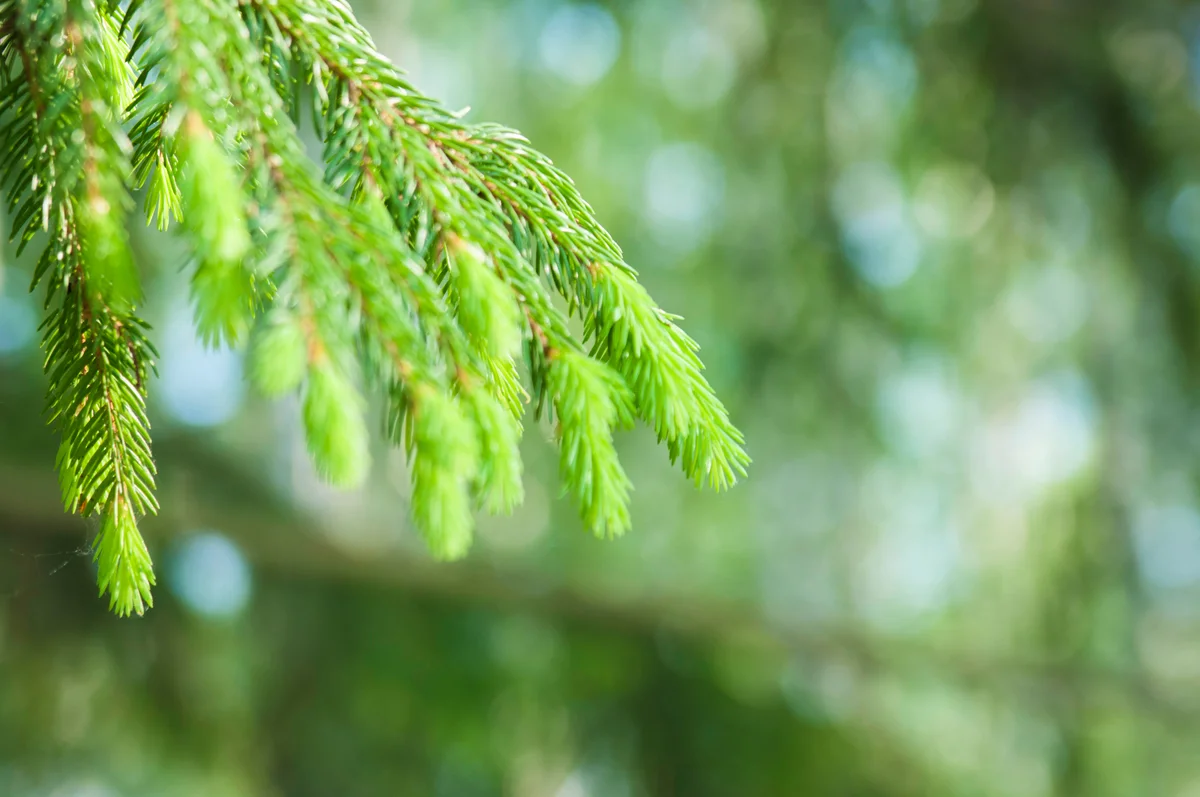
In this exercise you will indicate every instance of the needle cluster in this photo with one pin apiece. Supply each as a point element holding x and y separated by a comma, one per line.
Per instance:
<point>419,259</point>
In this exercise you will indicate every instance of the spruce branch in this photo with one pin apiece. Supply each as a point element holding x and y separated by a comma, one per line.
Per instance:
<point>420,260</point>
<point>63,137</point>
<point>497,181</point>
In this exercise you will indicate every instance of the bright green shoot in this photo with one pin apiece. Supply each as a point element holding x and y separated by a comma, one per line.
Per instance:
<point>419,259</point>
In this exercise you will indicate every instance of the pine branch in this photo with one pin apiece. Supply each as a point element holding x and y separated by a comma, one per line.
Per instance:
<point>373,118</point>
<point>496,182</point>
<point>62,131</point>
<point>421,262</point>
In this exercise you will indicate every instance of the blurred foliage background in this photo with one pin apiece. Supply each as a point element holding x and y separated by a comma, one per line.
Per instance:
<point>943,258</point>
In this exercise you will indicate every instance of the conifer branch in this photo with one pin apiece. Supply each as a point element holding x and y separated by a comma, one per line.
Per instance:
<point>500,183</point>
<point>420,261</point>
<point>62,130</point>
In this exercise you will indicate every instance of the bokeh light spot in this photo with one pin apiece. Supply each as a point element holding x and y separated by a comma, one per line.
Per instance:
<point>953,201</point>
<point>698,67</point>
<point>210,575</point>
<point>18,324</point>
<point>440,72</point>
<point>920,408</point>
<point>685,185</point>
<point>1153,61</point>
<point>580,43</point>
<point>907,572</point>
<point>1167,544</point>
<point>573,786</point>
<point>1047,438</point>
<point>879,238</point>
<point>198,386</point>
<point>83,789</point>
<point>1049,306</point>
<point>1183,220</point>
<point>871,88</point>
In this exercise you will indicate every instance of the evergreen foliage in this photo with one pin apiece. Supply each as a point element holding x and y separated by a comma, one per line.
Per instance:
<point>421,264</point>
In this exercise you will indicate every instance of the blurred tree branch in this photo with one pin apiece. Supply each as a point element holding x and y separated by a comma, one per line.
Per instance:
<point>281,540</point>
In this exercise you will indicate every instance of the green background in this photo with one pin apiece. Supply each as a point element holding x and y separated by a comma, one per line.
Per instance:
<point>942,258</point>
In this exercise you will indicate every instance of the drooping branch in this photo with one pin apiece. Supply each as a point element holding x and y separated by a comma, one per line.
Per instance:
<point>418,262</point>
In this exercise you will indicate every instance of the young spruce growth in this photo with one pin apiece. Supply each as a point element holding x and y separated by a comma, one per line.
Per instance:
<point>420,264</point>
